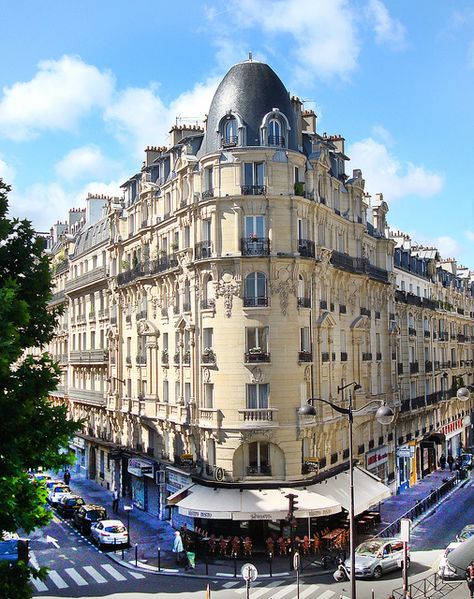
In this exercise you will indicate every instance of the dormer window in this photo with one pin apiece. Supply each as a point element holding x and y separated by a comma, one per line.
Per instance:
<point>275,137</point>
<point>230,133</point>
<point>274,129</point>
<point>231,130</point>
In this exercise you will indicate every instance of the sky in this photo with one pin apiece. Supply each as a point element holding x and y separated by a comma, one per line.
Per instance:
<point>86,86</point>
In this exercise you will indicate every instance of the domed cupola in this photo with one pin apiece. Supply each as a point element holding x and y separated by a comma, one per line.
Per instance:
<point>251,107</point>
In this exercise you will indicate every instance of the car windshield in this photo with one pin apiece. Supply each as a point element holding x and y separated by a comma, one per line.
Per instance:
<point>369,547</point>
<point>466,534</point>
<point>96,514</point>
<point>60,489</point>
<point>115,528</point>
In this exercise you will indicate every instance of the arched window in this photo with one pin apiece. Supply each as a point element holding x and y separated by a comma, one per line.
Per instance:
<point>275,136</point>
<point>230,132</point>
<point>256,290</point>
<point>259,458</point>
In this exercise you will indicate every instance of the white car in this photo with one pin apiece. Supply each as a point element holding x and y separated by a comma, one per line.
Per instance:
<point>109,532</point>
<point>56,492</point>
<point>445,571</point>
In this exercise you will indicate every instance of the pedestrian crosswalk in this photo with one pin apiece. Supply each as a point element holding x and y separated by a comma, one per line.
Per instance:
<point>83,576</point>
<point>282,589</point>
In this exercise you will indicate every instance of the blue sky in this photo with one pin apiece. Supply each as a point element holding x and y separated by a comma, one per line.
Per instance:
<point>86,86</point>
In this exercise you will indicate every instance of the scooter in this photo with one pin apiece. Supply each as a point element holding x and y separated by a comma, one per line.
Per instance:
<point>341,573</point>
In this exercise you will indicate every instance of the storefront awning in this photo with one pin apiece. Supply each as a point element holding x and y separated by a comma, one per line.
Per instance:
<point>368,490</point>
<point>438,438</point>
<point>253,504</point>
<point>181,494</point>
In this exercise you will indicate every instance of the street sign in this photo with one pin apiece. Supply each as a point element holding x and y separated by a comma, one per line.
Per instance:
<point>249,572</point>
<point>296,561</point>
<point>405,525</point>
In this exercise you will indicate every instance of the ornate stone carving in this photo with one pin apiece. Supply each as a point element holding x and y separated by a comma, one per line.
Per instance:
<point>283,284</point>
<point>227,288</point>
<point>206,375</point>
<point>257,375</point>
<point>256,435</point>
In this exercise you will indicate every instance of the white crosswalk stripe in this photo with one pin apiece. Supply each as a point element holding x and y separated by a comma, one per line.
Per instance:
<point>38,584</point>
<point>78,579</point>
<point>311,589</point>
<point>273,585</point>
<point>136,574</point>
<point>113,572</point>
<point>229,585</point>
<point>58,581</point>
<point>97,576</point>
<point>291,588</point>
<point>326,595</point>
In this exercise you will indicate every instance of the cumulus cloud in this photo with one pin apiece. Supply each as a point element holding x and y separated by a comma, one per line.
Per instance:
<point>448,247</point>
<point>7,172</point>
<point>61,92</point>
<point>324,33</point>
<point>86,161</point>
<point>384,173</point>
<point>138,117</point>
<point>44,204</point>
<point>387,29</point>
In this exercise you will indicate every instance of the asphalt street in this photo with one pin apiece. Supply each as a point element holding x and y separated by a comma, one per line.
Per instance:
<point>79,569</point>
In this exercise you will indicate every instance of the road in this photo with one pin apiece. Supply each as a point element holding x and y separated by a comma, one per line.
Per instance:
<point>79,569</point>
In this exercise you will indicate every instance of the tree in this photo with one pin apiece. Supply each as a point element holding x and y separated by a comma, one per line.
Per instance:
<point>32,430</point>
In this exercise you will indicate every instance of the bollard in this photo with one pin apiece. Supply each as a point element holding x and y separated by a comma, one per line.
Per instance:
<point>271,564</point>
<point>115,544</point>
<point>373,594</point>
<point>136,555</point>
<point>207,565</point>
<point>159,559</point>
<point>122,552</point>
<point>235,564</point>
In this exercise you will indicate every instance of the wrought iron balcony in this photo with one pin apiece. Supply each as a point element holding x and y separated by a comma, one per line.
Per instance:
<point>263,470</point>
<point>276,140</point>
<point>400,368</point>
<point>140,359</point>
<point>428,366</point>
<point>305,356</point>
<point>306,248</point>
<point>412,331</point>
<point>203,250</point>
<point>209,193</point>
<point>252,190</point>
<point>304,302</point>
<point>343,356</point>
<point>208,304</point>
<point>255,302</point>
<point>366,356</point>
<point>414,367</point>
<point>325,356</point>
<point>230,141</point>
<point>254,356</point>
<point>255,246</point>
<point>358,265</point>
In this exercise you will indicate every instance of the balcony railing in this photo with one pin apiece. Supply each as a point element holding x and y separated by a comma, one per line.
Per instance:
<point>86,279</point>
<point>400,368</point>
<point>87,396</point>
<point>57,298</point>
<point>325,356</point>
<point>305,356</point>
<point>428,366</point>
<point>304,302</point>
<point>414,367</point>
<point>258,414</point>
<point>412,331</point>
<point>263,470</point>
<point>93,356</point>
<point>209,193</point>
<point>366,356</point>
<point>343,356</point>
<point>140,359</point>
<point>426,334</point>
<point>417,402</point>
<point>208,304</point>
<point>306,248</point>
<point>276,140</point>
<point>358,265</point>
<point>255,246</point>
<point>251,357</point>
<point>255,302</point>
<point>252,190</point>
<point>203,250</point>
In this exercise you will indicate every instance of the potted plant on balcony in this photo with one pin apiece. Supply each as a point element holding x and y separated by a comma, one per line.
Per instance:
<point>164,356</point>
<point>174,246</point>
<point>208,355</point>
<point>253,237</point>
<point>255,351</point>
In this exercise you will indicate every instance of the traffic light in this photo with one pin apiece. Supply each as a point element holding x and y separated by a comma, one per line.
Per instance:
<point>293,504</point>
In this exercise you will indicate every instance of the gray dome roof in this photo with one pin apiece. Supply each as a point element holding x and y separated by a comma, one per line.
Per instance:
<point>251,90</point>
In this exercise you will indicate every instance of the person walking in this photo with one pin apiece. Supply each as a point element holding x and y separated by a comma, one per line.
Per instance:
<point>115,500</point>
<point>470,578</point>
<point>450,462</point>
<point>178,548</point>
<point>442,461</point>
<point>67,476</point>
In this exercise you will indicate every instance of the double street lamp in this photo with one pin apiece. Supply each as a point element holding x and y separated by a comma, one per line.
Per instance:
<point>385,416</point>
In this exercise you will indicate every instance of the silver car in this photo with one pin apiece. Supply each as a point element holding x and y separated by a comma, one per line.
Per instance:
<point>374,557</point>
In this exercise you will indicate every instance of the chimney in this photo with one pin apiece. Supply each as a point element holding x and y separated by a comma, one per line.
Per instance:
<point>338,141</point>
<point>177,132</point>
<point>152,153</point>
<point>309,121</point>
<point>296,103</point>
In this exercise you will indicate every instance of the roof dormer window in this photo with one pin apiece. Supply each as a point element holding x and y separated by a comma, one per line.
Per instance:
<point>230,133</point>
<point>275,137</point>
<point>231,130</point>
<point>274,129</point>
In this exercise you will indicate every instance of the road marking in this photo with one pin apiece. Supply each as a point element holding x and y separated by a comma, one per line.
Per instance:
<point>38,584</point>
<point>266,588</point>
<point>33,560</point>
<point>136,574</point>
<point>97,576</point>
<point>58,581</point>
<point>113,572</point>
<point>326,595</point>
<point>284,591</point>
<point>229,585</point>
<point>78,579</point>
<point>308,590</point>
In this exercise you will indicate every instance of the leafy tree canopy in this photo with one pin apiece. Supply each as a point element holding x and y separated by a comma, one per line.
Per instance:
<point>32,430</point>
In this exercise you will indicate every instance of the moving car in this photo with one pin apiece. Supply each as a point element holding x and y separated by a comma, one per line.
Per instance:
<point>465,533</point>
<point>445,571</point>
<point>9,547</point>
<point>109,532</point>
<point>69,504</point>
<point>375,557</point>
<point>87,515</point>
<point>57,492</point>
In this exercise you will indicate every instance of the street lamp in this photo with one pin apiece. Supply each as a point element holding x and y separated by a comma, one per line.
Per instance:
<point>464,393</point>
<point>384,415</point>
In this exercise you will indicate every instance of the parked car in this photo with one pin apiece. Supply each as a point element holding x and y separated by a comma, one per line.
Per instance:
<point>39,477</point>
<point>87,515</point>
<point>57,492</point>
<point>109,532</point>
<point>53,482</point>
<point>375,557</point>
<point>69,504</point>
<point>445,571</point>
<point>465,533</point>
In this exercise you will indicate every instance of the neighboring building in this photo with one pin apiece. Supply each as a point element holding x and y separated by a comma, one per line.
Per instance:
<point>242,273</point>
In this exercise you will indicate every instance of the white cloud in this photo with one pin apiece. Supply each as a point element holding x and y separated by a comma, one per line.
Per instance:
<point>61,92</point>
<point>448,247</point>
<point>7,172</point>
<point>387,30</point>
<point>469,235</point>
<point>86,161</point>
<point>45,204</point>
<point>384,173</point>
<point>139,117</point>
<point>324,32</point>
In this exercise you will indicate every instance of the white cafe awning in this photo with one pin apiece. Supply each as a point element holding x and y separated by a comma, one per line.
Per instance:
<point>368,490</point>
<point>253,504</point>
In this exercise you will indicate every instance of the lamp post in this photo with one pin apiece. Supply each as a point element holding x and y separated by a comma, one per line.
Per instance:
<point>384,415</point>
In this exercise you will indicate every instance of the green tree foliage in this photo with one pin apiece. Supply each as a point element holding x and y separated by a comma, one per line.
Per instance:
<point>32,430</point>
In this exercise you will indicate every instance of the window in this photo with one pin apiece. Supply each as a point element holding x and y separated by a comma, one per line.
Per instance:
<point>257,337</point>
<point>257,396</point>
<point>187,393</point>
<point>230,132</point>
<point>305,341</point>
<point>253,178</point>
<point>187,237</point>
<point>208,182</point>
<point>208,337</point>
<point>92,339</point>
<point>256,290</point>
<point>275,137</point>
<point>208,395</point>
<point>165,398</point>
<point>255,227</point>
<point>177,392</point>
<point>259,458</point>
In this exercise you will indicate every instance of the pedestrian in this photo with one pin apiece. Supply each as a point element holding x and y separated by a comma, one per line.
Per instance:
<point>178,548</point>
<point>115,500</point>
<point>67,476</point>
<point>450,462</point>
<point>470,578</point>
<point>442,461</point>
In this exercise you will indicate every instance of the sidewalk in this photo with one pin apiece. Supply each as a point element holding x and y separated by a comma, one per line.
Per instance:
<point>149,535</point>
